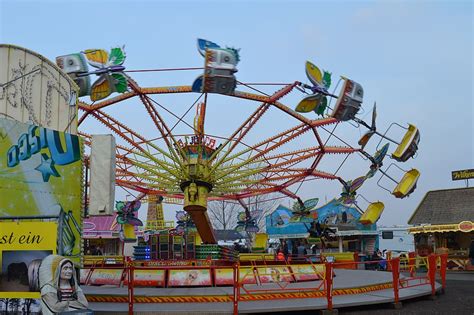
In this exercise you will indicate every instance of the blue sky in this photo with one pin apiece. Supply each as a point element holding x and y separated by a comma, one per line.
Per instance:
<point>415,58</point>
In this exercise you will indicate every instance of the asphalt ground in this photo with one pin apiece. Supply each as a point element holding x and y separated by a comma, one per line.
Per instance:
<point>458,299</point>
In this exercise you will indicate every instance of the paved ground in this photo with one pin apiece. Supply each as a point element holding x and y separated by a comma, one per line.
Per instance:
<point>457,299</point>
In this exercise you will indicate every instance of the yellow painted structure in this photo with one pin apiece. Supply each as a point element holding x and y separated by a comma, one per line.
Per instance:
<point>129,233</point>
<point>464,226</point>
<point>256,257</point>
<point>408,145</point>
<point>195,203</point>
<point>26,236</point>
<point>198,239</point>
<point>308,104</point>
<point>261,240</point>
<point>407,184</point>
<point>372,213</point>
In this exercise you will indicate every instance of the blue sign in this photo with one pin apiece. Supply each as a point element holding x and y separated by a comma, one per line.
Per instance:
<point>61,151</point>
<point>281,223</point>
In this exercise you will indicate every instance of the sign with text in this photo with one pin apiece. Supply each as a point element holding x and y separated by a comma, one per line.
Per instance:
<point>28,235</point>
<point>22,246</point>
<point>41,174</point>
<point>462,174</point>
<point>106,277</point>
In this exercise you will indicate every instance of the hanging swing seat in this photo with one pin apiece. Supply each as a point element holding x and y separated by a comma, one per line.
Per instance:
<point>372,214</point>
<point>407,185</point>
<point>409,144</point>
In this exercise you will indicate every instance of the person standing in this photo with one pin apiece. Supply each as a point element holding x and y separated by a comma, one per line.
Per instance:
<point>294,248</point>
<point>280,256</point>
<point>285,249</point>
<point>301,250</point>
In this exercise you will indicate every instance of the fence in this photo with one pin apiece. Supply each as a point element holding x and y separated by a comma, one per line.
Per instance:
<point>288,281</point>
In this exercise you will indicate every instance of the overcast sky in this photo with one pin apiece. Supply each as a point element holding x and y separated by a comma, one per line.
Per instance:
<point>414,58</point>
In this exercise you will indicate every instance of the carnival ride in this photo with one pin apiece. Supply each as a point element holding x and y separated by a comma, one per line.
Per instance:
<point>210,156</point>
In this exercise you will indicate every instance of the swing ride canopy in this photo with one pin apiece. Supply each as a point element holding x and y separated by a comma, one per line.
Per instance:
<point>219,138</point>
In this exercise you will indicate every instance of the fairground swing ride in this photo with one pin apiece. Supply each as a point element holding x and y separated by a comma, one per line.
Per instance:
<point>196,165</point>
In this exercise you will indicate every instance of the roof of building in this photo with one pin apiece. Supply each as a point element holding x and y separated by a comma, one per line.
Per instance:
<point>227,235</point>
<point>445,206</point>
<point>105,223</point>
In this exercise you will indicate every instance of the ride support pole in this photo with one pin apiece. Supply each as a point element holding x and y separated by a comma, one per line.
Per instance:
<point>395,262</point>
<point>411,263</point>
<point>236,289</point>
<point>129,266</point>
<point>432,272</point>
<point>356,260</point>
<point>389,260</point>
<point>329,271</point>
<point>442,269</point>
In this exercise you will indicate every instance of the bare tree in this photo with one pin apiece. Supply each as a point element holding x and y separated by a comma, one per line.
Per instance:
<point>223,214</point>
<point>263,205</point>
<point>14,305</point>
<point>4,305</point>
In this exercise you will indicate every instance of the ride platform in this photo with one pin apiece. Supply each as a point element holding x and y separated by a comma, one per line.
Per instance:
<point>351,288</point>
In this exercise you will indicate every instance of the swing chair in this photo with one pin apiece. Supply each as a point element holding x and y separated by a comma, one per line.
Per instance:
<point>373,212</point>
<point>409,145</point>
<point>405,186</point>
<point>405,149</point>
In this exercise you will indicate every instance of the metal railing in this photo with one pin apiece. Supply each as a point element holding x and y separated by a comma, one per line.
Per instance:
<point>286,280</point>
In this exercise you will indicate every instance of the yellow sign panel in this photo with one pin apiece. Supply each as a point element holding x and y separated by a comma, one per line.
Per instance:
<point>41,178</point>
<point>464,226</point>
<point>28,235</point>
<point>22,246</point>
<point>464,174</point>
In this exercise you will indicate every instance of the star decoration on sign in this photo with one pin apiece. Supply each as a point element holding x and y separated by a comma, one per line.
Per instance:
<point>47,168</point>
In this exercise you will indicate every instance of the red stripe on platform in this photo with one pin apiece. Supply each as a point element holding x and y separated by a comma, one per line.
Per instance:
<point>228,298</point>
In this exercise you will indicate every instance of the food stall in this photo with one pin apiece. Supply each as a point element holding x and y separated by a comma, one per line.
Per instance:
<point>444,223</point>
<point>102,233</point>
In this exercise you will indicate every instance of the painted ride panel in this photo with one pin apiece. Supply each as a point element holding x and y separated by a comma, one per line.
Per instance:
<point>349,101</point>
<point>309,103</point>
<point>220,66</point>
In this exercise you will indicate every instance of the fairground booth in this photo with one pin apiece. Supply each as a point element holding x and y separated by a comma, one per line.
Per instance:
<point>443,222</point>
<point>102,236</point>
<point>349,237</point>
<point>41,171</point>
